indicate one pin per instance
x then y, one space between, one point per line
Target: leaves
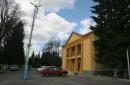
49 57
15 42
112 31
11 33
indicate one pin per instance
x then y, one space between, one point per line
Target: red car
50 71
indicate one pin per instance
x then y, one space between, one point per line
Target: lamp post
29 43
128 64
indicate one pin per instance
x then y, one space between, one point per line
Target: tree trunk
115 72
125 73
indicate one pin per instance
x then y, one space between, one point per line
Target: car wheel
46 75
63 74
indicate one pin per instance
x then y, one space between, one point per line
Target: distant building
78 54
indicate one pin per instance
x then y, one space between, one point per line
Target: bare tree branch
9 14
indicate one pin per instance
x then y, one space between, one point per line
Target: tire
63 74
46 75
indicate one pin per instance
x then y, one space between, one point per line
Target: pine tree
112 32
9 16
50 55
32 59
14 49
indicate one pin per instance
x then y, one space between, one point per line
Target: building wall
87 56
87 63
63 58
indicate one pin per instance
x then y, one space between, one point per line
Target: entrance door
78 65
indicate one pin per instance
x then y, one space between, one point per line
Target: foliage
9 14
49 57
15 56
34 60
11 32
112 32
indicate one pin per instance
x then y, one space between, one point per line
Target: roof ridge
77 33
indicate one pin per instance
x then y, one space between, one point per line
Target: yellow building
78 54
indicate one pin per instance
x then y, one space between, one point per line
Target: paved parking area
15 78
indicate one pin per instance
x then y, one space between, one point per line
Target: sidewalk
2 71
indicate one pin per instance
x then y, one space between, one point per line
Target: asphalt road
16 78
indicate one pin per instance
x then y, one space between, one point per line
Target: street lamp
29 43
128 64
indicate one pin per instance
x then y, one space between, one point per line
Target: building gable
73 37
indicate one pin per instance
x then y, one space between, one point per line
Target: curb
114 78
2 71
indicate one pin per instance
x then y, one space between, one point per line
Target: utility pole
128 63
36 6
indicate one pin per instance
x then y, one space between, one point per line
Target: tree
9 17
50 55
112 32
45 59
35 60
15 42
9 14
31 59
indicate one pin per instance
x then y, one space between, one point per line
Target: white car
44 67
41 68
13 68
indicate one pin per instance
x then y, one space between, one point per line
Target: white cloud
86 23
49 26
47 5
56 5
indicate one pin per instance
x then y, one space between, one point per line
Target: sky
56 20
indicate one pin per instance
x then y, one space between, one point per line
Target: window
67 52
72 51
79 49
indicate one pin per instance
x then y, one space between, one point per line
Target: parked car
53 71
13 67
44 67
41 68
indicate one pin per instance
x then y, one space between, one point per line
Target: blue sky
56 19
81 11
